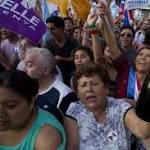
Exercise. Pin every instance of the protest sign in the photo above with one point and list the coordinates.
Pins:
(138, 4)
(18, 16)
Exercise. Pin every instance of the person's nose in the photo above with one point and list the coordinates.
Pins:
(89, 87)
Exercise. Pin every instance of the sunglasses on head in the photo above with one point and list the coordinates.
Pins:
(125, 34)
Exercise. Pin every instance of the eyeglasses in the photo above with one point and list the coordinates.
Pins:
(126, 34)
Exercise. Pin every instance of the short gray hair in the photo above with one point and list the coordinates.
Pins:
(45, 57)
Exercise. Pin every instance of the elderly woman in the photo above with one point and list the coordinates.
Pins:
(98, 122)
(23, 126)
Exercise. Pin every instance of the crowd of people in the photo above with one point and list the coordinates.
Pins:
(78, 89)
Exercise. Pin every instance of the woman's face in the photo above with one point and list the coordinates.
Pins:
(91, 91)
(142, 61)
(15, 111)
(81, 57)
(77, 34)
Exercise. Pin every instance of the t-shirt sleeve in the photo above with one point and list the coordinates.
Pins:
(72, 111)
(66, 101)
(124, 107)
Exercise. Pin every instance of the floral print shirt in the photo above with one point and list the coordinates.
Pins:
(111, 135)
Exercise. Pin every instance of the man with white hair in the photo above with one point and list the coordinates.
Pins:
(53, 93)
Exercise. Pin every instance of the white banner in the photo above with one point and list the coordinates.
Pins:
(138, 4)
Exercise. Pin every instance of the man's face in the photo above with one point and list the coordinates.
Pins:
(33, 66)
(146, 25)
(68, 25)
(126, 38)
(53, 29)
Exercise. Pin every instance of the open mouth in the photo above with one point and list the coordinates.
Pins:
(91, 98)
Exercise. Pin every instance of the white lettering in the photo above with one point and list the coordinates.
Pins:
(16, 17)
(18, 12)
(7, 4)
(13, 9)
(34, 20)
(5, 12)
(32, 27)
(23, 14)
(25, 22)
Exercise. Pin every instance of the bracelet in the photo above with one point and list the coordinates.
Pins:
(92, 26)
(93, 32)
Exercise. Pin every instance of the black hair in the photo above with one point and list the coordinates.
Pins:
(127, 27)
(19, 82)
(2, 68)
(147, 37)
(58, 21)
(68, 18)
(85, 49)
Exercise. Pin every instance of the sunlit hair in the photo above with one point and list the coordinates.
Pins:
(20, 83)
(89, 70)
(45, 57)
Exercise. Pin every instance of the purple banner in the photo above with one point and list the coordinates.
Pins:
(18, 16)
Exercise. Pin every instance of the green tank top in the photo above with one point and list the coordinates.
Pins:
(29, 140)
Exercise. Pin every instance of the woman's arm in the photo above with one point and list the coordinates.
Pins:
(137, 126)
(72, 130)
(48, 138)
(138, 120)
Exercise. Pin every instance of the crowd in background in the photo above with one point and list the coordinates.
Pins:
(86, 74)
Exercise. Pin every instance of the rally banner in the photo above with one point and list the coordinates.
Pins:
(20, 17)
(138, 4)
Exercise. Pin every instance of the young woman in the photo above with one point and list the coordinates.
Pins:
(24, 126)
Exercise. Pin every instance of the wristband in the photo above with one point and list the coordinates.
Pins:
(93, 32)
(92, 26)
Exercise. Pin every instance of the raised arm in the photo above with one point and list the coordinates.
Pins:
(94, 28)
(108, 31)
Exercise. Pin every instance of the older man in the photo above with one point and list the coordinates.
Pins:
(52, 93)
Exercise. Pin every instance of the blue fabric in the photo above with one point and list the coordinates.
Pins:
(126, 20)
(131, 83)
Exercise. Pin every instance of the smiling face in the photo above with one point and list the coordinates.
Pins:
(91, 91)
(142, 61)
(15, 110)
